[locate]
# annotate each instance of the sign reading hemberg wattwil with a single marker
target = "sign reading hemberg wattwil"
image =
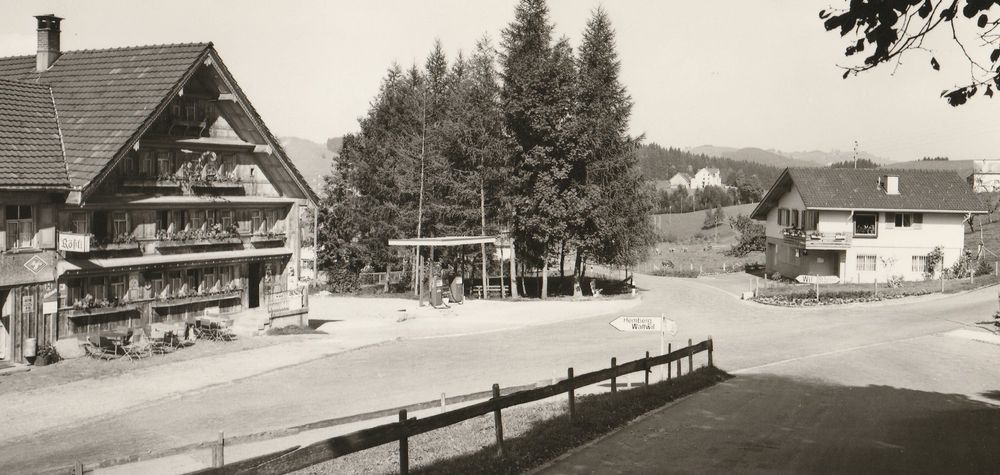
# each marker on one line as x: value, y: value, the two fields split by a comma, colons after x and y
x: 638, y: 324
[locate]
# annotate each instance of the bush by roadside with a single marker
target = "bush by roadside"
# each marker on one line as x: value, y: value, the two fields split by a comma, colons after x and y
x: 533, y: 434
x: 799, y: 295
x: 292, y: 330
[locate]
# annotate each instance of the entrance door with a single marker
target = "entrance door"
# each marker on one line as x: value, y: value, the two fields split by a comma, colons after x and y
x: 4, y: 325
x: 253, y: 282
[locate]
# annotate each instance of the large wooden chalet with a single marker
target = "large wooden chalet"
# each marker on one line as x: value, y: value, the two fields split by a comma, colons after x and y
x: 138, y: 185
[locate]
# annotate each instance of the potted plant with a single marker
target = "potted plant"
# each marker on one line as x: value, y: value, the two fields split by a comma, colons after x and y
x: 46, y: 355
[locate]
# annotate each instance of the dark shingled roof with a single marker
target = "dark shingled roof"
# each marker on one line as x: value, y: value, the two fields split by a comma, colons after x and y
x: 105, y: 96
x: 31, y: 153
x: 840, y: 188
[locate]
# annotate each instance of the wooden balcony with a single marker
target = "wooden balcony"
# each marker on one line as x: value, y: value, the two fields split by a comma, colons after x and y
x: 95, y: 311
x: 197, y: 242
x: 267, y: 240
x: 178, y: 301
x: 817, y: 240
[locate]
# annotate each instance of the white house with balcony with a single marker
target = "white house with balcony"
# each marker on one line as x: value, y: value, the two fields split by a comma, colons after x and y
x: 863, y: 225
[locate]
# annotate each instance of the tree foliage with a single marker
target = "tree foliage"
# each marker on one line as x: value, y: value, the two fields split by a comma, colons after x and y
x: 882, y: 31
x: 535, y: 134
x: 860, y: 163
x: 749, y: 236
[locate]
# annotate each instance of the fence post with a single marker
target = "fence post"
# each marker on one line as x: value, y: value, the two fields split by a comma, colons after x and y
x: 690, y: 357
x: 78, y: 468
x: 711, y: 347
x: 404, y: 445
x: 679, y: 366
x: 218, y: 451
x: 572, y: 403
x: 614, y: 376
x: 444, y: 402
x: 670, y: 370
x: 497, y: 421
x: 645, y: 367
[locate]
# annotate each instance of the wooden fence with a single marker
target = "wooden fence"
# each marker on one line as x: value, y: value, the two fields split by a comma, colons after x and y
x: 298, y: 457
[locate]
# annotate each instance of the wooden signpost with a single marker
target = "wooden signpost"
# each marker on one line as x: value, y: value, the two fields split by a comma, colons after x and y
x: 660, y: 324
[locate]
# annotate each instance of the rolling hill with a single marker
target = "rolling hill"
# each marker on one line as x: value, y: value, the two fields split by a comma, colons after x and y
x: 781, y: 159
x: 312, y: 159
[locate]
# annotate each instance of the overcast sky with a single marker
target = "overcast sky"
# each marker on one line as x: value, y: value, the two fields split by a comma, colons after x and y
x: 738, y: 73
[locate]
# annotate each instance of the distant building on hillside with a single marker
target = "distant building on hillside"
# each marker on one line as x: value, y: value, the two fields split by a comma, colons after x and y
x: 706, y: 177
x: 680, y: 181
x: 985, y: 176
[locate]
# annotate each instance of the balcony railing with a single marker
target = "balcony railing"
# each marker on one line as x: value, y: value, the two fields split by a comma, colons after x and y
x: 73, y: 312
x: 190, y: 299
x: 817, y: 239
x: 267, y: 239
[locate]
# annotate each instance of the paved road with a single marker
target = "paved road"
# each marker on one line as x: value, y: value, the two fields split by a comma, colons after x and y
x: 748, y: 337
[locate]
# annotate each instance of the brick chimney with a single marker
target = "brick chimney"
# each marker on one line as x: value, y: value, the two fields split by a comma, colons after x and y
x: 48, y: 41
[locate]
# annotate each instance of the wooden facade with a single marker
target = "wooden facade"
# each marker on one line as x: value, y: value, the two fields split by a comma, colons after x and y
x: 198, y: 212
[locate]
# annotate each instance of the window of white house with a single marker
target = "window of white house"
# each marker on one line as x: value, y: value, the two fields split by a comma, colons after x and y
x: 20, y: 226
x: 79, y: 223
x: 119, y: 223
x: 795, y: 218
x: 919, y: 264
x: 865, y: 225
x: 810, y: 220
x: 782, y: 217
x: 905, y: 220
x: 866, y: 263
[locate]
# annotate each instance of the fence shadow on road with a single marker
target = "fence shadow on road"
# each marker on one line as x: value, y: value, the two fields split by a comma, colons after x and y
x: 769, y: 423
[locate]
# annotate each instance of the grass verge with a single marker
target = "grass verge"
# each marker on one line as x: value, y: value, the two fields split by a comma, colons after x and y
x: 533, y: 434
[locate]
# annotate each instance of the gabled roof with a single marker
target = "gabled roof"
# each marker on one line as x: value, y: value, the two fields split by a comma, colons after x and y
x: 31, y: 155
x: 107, y: 98
x: 104, y: 97
x: 858, y: 189
x: 685, y: 176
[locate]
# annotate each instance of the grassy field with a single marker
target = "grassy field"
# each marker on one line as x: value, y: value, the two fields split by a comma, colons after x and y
x: 681, y: 227
x: 687, y: 250
x: 533, y: 433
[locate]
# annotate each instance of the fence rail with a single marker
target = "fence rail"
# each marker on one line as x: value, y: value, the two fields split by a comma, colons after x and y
x: 297, y: 458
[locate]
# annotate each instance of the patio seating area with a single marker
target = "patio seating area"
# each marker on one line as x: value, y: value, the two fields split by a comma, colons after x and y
x: 134, y: 344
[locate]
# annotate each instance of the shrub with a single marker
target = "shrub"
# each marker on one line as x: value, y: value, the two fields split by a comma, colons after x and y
x: 342, y: 281
x: 46, y: 355
x: 687, y: 273
x: 749, y: 236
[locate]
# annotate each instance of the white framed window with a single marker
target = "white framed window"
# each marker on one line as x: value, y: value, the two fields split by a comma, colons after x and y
x: 866, y: 263
x: 97, y: 288
x: 79, y: 222
x: 865, y: 225
x: 226, y: 218
x: 919, y: 264
x: 20, y: 226
x: 257, y: 221
x: 119, y: 223
x: 119, y: 286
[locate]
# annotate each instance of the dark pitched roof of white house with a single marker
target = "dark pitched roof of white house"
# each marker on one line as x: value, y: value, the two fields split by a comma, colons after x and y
x: 858, y: 189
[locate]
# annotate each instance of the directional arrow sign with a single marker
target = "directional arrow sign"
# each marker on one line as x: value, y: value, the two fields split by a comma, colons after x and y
x: 638, y: 324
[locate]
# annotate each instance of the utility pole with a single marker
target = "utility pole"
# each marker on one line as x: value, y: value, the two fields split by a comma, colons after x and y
x: 855, y: 154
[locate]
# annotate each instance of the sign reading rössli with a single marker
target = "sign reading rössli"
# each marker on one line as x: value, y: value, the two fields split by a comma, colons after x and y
x: 74, y: 242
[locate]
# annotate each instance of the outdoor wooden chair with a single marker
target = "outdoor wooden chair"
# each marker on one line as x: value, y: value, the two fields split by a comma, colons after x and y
x: 139, y: 346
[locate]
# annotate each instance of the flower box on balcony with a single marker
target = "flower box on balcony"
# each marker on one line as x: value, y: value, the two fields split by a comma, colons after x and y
x: 267, y: 238
x: 87, y: 312
x: 177, y: 301
x: 119, y: 246
x: 197, y: 242
x: 150, y: 183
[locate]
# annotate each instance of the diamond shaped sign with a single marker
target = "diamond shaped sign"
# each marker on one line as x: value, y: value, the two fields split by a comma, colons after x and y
x: 35, y: 264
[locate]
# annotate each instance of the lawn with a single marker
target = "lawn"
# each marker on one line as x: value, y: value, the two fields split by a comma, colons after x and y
x: 682, y: 227
x: 533, y: 433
